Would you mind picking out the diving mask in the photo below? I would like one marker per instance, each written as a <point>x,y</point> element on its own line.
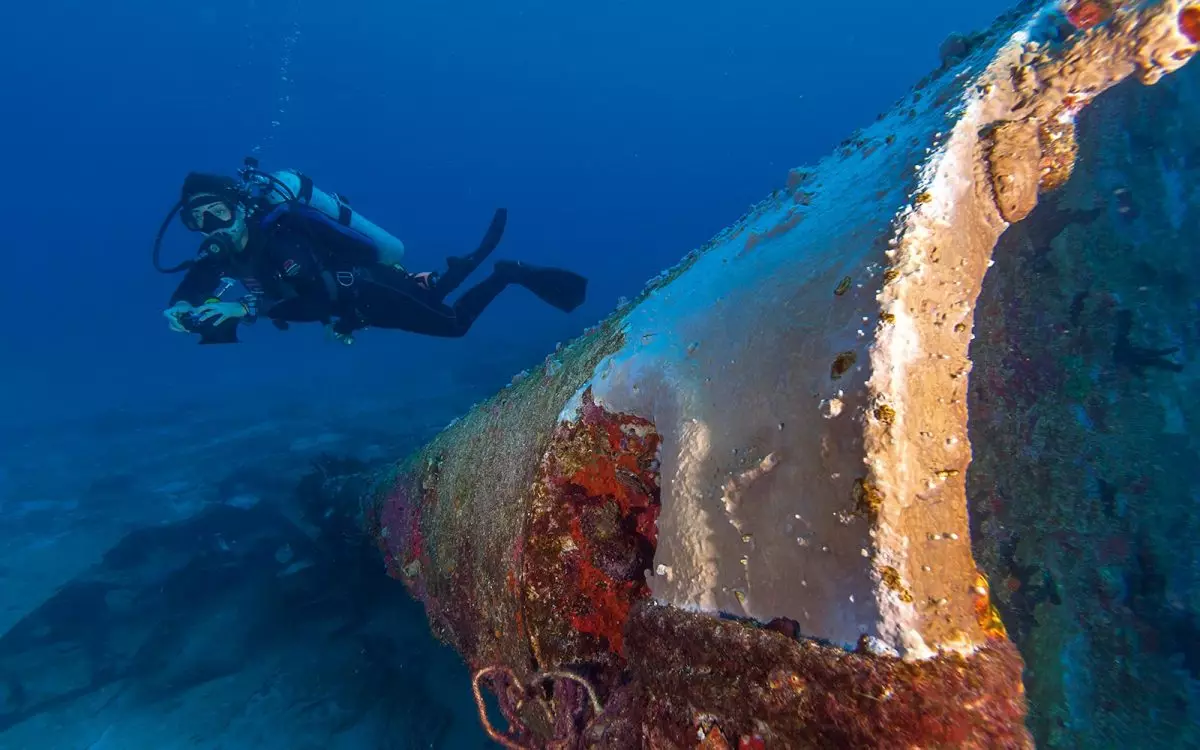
<point>208,213</point>
<point>224,231</point>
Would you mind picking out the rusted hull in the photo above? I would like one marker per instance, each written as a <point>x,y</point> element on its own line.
<point>735,514</point>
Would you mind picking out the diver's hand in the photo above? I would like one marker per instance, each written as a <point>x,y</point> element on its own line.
<point>425,279</point>
<point>341,338</point>
<point>222,311</point>
<point>172,314</point>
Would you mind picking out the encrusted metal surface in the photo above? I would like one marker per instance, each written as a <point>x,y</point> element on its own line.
<point>452,520</point>
<point>754,685</point>
<point>803,379</point>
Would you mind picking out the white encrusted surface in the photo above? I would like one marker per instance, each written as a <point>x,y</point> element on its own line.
<point>762,446</point>
<point>732,361</point>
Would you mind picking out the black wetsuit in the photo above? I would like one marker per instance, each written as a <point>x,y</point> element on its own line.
<point>300,267</point>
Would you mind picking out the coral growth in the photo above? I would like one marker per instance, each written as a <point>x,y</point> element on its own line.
<point>592,534</point>
<point>1014,160</point>
<point>1080,404</point>
<point>528,534</point>
<point>1084,14</point>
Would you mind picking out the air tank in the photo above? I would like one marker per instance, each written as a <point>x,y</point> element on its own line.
<point>391,249</point>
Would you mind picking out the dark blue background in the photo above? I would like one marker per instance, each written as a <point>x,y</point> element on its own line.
<point>619,134</point>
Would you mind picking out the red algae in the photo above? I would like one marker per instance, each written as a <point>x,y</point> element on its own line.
<point>1189,23</point>
<point>1084,14</point>
<point>592,535</point>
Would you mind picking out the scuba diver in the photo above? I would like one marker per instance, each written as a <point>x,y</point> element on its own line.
<point>302,255</point>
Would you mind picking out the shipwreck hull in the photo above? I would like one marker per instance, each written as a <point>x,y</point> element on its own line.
<point>735,513</point>
<point>1084,419</point>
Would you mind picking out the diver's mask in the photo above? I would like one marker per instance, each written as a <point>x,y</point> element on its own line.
<point>223,224</point>
<point>208,213</point>
<point>212,205</point>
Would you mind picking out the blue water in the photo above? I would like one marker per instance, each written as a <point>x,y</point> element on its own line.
<point>619,135</point>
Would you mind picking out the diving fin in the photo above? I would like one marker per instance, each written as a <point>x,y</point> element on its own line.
<point>565,290</point>
<point>459,268</point>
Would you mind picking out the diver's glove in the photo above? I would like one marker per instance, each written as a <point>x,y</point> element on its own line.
<point>174,312</point>
<point>222,311</point>
<point>425,279</point>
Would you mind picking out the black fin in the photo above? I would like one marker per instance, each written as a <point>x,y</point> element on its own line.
<point>459,268</point>
<point>558,287</point>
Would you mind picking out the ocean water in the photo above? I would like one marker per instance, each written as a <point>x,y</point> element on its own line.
<point>175,569</point>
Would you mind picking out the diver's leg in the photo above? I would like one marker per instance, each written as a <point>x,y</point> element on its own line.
<point>298,310</point>
<point>460,268</point>
<point>393,300</point>
<point>563,289</point>
<point>399,303</point>
<point>476,299</point>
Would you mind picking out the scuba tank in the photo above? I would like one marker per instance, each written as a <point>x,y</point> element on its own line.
<point>293,186</point>
<point>264,193</point>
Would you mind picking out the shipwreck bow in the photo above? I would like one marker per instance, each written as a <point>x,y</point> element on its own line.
<point>735,512</point>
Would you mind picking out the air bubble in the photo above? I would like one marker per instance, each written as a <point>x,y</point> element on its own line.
<point>286,82</point>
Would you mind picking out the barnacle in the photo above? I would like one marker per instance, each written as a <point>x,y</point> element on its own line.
<point>891,579</point>
<point>1059,150</point>
<point>867,498</point>
<point>1013,160</point>
<point>885,413</point>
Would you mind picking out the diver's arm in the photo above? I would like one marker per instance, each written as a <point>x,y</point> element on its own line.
<point>196,306</point>
<point>192,291</point>
<point>252,302</point>
<point>198,284</point>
